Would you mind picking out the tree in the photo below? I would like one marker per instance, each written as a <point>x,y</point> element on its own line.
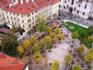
<point>41,26</point>
<point>68,59</point>
<point>9,44</point>
<point>20,49</point>
<point>75,35</point>
<point>80,49</point>
<point>47,40</point>
<point>90,29</point>
<point>90,39</point>
<point>49,46</point>
<point>90,51</point>
<point>60,36</point>
<point>76,67</point>
<point>17,29</point>
<point>52,35</point>
<point>26,44</point>
<point>57,31</point>
<point>55,65</point>
<point>88,58</point>
<point>35,48</point>
<point>37,57</point>
<point>32,40</point>
<point>49,29</point>
<point>41,44</point>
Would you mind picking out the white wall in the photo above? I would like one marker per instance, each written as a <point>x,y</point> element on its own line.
<point>29,20</point>
<point>1,17</point>
<point>83,12</point>
<point>55,8</point>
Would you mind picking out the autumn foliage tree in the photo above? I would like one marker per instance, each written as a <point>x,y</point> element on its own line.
<point>55,65</point>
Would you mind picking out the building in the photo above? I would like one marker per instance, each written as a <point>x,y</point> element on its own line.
<point>24,12</point>
<point>3,4</point>
<point>80,8</point>
<point>10,63</point>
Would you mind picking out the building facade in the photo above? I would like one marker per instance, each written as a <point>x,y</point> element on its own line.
<point>81,8</point>
<point>24,12</point>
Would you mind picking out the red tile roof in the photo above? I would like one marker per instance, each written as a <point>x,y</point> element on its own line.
<point>4,3</point>
<point>10,63</point>
<point>29,7</point>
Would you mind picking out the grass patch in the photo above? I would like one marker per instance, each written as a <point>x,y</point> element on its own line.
<point>83,32</point>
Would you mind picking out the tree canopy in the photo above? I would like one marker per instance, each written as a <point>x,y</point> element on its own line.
<point>76,67</point>
<point>9,44</point>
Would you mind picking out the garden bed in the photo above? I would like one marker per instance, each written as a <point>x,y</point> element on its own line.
<point>83,32</point>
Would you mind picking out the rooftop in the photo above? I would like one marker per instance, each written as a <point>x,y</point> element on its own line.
<point>10,63</point>
<point>27,8</point>
<point>4,3</point>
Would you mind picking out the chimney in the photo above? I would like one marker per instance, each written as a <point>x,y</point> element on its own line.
<point>16,1</point>
<point>27,1</point>
<point>33,1</point>
<point>10,5</point>
<point>21,1</point>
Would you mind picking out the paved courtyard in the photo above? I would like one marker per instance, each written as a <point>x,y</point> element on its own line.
<point>58,54</point>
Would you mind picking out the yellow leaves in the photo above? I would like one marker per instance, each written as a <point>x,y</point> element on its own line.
<point>49,29</point>
<point>57,31</point>
<point>26,44</point>
<point>41,17</point>
<point>68,58</point>
<point>55,65</point>
<point>32,40</point>
<point>60,36</point>
<point>37,57</point>
<point>75,35</point>
<point>20,49</point>
<point>90,38</point>
<point>47,39</point>
<point>88,58</point>
<point>80,49</point>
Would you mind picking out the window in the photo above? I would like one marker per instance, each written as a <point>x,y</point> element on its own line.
<point>28,15</point>
<point>74,8</point>
<point>18,19</point>
<point>77,11</point>
<point>17,15</point>
<point>64,7</point>
<point>23,26</point>
<point>59,6</point>
<point>7,17</point>
<point>79,5</point>
<point>33,23</point>
<point>29,25</point>
<point>11,18</point>
<point>72,2</point>
<point>19,24</point>
<point>23,21</point>
<point>67,6</point>
<point>22,15</point>
<point>65,1</point>
<point>14,18</point>
<point>83,13</point>
<point>85,6</point>
<point>29,20</point>
<point>32,13</point>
